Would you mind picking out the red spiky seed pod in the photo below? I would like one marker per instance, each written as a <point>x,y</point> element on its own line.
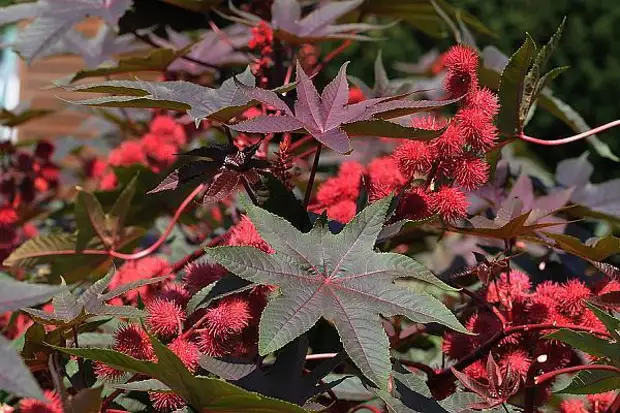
<point>187,352</point>
<point>165,318</point>
<point>413,157</point>
<point>450,203</point>
<point>470,172</point>
<point>132,340</point>
<point>461,63</point>
<point>166,402</point>
<point>229,316</point>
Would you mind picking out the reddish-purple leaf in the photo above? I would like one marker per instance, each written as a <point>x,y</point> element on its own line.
<point>308,105</point>
<point>334,98</point>
<point>268,97</point>
<point>169,183</point>
<point>223,185</point>
<point>268,124</point>
<point>335,139</point>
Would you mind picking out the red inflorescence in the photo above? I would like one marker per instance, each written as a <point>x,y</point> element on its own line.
<point>132,340</point>
<point>414,157</point>
<point>187,352</point>
<point>470,172</point>
<point>200,274</point>
<point>52,405</point>
<point>166,402</point>
<point>245,234</point>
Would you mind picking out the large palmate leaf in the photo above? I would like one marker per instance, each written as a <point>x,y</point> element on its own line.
<point>200,102</point>
<point>214,48</point>
<point>328,117</point>
<point>202,393</point>
<point>338,277</point>
<point>54,18</point>
<point>316,26</point>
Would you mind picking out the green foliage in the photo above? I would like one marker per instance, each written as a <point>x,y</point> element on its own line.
<point>338,277</point>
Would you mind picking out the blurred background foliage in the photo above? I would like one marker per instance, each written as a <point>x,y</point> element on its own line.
<point>589,46</point>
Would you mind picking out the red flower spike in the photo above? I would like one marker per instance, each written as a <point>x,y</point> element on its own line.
<point>133,341</point>
<point>230,316</point>
<point>455,345</point>
<point>470,172</point>
<point>165,318</point>
<point>476,128</point>
<point>187,352</point>
<point>344,186</point>
<point>355,95</point>
<point>501,385</point>
<point>450,203</point>
<point>176,293</point>
<point>573,406</point>
<point>156,147</point>
<point>53,404</point>
<point>199,274</point>
<point>483,100</point>
<point>166,402</point>
<point>413,157</point>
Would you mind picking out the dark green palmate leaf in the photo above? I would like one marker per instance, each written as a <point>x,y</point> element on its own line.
<point>201,393</point>
<point>339,277</point>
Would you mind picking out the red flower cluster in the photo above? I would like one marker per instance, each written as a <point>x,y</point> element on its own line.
<point>512,294</point>
<point>453,162</point>
<point>449,164</point>
<point>155,150</point>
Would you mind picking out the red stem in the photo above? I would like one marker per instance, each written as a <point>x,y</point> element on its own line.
<point>135,255</point>
<point>332,55</point>
<point>304,154</point>
<point>570,138</point>
<point>552,374</point>
<point>321,356</point>
<point>420,366</point>
<point>178,266</point>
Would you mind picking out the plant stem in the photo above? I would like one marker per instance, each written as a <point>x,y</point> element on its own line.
<point>135,255</point>
<point>105,403</point>
<point>570,139</point>
<point>552,374</point>
<point>332,55</point>
<point>231,141</point>
<point>249,190</point>
<point>321,356</point>
<point>315,165</point>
